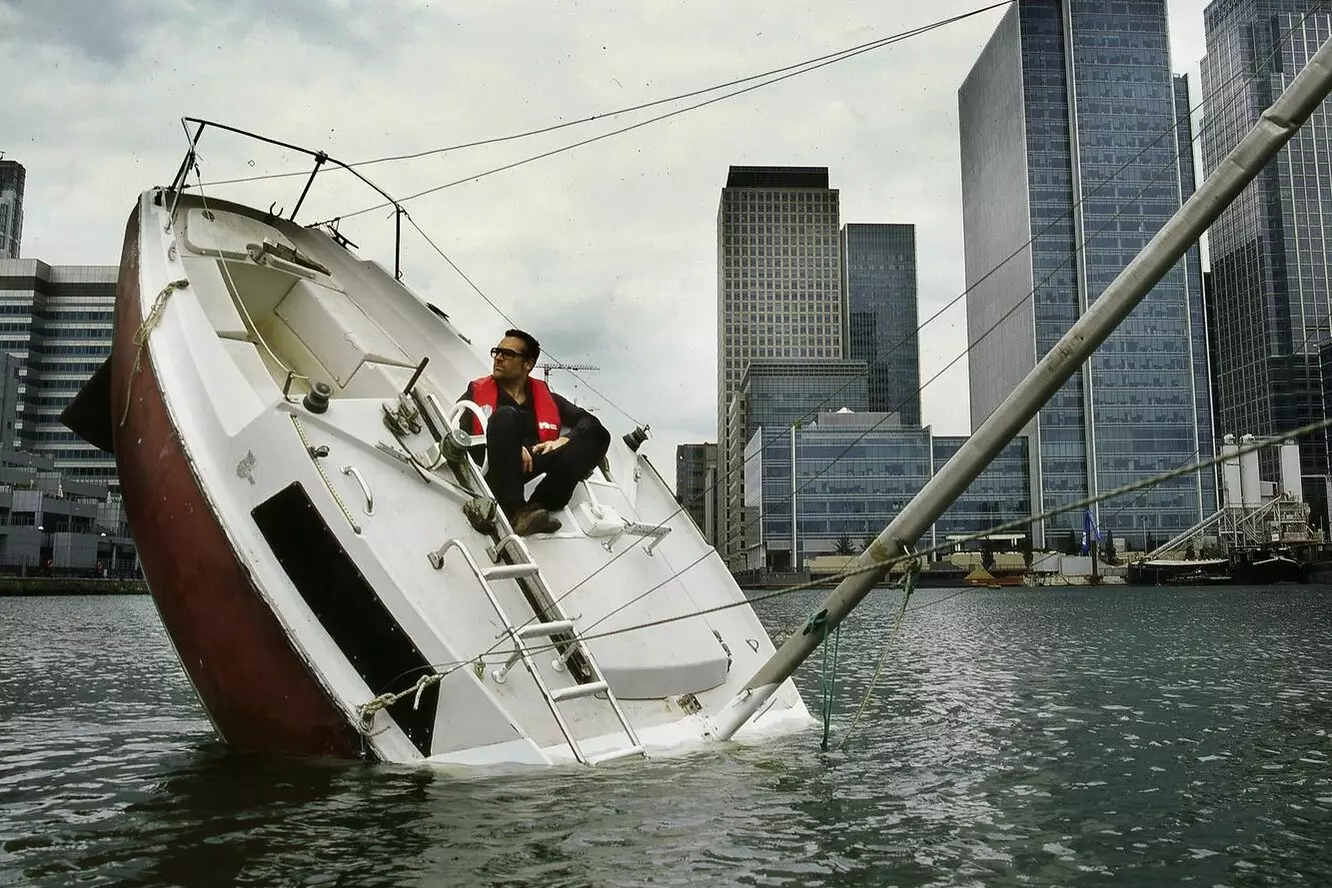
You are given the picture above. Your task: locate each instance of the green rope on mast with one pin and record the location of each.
(827, 676)
(908, 586)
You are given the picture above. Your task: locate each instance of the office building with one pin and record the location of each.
(11, 208)
(778, 296)
(696, 485)
(1269, 269)
(778, 394)
(53, 524)
(57, 320)
(1201, 355)
(777, 397)
(879, 283)
(854, 472)
(1068, 169)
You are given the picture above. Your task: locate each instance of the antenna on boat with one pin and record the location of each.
(546, 367)
(1273, 129)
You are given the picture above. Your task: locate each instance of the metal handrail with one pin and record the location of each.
(178, 184)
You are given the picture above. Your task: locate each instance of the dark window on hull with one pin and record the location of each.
(348, 608)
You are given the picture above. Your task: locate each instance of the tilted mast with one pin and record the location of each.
(1276, 126)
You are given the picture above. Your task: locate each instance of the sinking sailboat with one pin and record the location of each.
(283, 421)
(290, 453)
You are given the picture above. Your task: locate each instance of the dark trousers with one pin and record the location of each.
(563, 469)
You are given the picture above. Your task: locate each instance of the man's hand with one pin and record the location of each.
(550, 446)
(527, 459)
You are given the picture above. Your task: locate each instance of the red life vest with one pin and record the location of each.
(485, 393)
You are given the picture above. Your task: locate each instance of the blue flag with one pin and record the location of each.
(1089, 531)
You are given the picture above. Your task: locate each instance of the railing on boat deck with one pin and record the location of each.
(179, 183)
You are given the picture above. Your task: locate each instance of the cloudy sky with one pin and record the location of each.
(606, 252)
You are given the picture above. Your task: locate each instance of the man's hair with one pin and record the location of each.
(533, 347)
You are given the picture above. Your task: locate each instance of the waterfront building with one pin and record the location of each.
(696, 485)
(879, 283)
(779, 396)
(1268, 250)
(778, 296)
(11, 208)
(1065, 177)
(854, 472)
(57, 321)
(51, 522)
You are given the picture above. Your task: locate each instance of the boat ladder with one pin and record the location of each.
(513, 561)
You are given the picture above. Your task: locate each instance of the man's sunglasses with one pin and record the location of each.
(501, 352)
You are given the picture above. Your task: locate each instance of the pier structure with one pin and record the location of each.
(1262, 531)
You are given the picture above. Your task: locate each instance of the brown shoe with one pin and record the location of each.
(480, 512)
(534, 519)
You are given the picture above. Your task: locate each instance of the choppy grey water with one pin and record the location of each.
(1035, 737)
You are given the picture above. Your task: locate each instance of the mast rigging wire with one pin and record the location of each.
(790, 70)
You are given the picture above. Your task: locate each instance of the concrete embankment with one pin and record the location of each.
(14, 586)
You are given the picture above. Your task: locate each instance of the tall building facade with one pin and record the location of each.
(1269, 268)
(879, 283)
(778, 296)
(1200, 333)
(1065, 177)
(11, 208)
(695, 485)
(57, 320)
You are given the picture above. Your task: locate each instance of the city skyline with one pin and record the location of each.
(608, 251)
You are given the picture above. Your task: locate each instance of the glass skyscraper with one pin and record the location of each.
(1200, 329)
(1270, 275)
(778, 296)
(879, 280)
(11, 208)
(1069, 167)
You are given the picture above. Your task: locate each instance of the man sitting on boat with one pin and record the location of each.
(530, 431)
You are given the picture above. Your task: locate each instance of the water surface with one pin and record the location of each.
(1015, 737)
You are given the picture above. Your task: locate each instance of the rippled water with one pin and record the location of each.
(1035, 737)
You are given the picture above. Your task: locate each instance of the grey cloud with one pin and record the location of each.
(112, 31)
(102, 31)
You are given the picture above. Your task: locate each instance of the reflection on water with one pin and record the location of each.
(1029, 737)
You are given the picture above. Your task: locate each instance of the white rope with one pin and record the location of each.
(319, 466)
(365, 713)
